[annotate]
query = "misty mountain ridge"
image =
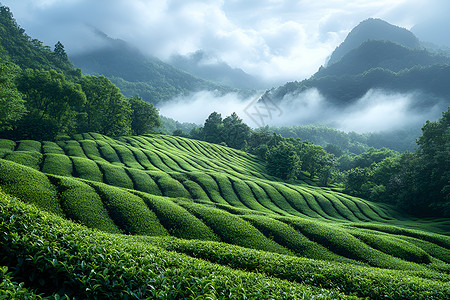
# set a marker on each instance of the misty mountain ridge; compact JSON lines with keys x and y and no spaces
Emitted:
{"x":374,"y":29}
{"x":210,"y":67}
{"x":135,"y":73}
{"x":390,"y":84}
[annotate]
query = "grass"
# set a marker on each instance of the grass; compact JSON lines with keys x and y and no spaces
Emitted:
{"x":159,"y":189}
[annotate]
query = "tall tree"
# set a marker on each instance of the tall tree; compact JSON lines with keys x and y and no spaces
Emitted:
{"x":60,"y":53}
{"x":106,"y":110}
{"x":283,"y":161}
{"x":12,"y":106}
{"x":212,"y":130}
{"x":235,"y":133}
{"x":145,"y":116}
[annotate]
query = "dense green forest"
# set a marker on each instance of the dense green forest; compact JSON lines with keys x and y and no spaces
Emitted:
{"x":43,"y":95}
{"x":137,"y":74}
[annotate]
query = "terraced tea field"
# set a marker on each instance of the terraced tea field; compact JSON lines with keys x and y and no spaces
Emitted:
{"x":158,"y":188}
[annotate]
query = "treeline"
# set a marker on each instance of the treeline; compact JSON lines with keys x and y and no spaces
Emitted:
{"x":416,"y":182}
{"x":41,"y":104}
{"x":42,"y":95}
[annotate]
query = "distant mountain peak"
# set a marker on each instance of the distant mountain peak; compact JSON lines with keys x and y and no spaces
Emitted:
{"x":374,"y":29}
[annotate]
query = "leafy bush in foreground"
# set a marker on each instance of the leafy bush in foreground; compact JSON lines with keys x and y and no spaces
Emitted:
{"x":59,"y":258}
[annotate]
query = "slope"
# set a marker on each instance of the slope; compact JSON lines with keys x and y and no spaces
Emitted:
{"x":161,"y":185}
{"x":374,"y":29}
{"x":134,"y":73}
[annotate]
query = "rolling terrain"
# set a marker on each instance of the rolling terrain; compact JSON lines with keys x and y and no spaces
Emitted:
{"x":156,"y":193}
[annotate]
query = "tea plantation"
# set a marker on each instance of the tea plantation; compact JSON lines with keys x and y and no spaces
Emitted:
{"x":157,"y":216}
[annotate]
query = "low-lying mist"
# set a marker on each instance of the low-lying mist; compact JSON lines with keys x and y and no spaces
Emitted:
{"x":376,"y":111}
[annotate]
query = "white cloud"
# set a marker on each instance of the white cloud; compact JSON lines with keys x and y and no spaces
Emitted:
{"x":376,"y":111}
{"x":278,"y":40}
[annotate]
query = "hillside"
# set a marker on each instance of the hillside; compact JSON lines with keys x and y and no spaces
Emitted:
{"x":213,"y":69}
{"x":391,"y":62}
{"x":137,"y":74}
{"x":374,"y":29}
{"x":169,"y":186}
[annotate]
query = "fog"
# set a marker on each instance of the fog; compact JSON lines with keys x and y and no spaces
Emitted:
{"x":376,"y":111}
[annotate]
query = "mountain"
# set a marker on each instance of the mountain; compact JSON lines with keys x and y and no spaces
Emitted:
{"x":381,"y":54}
{"x":378,"y":64}
{"x":135,"y":73}
{"x":374,"y":29}
{"x":213,"y":69}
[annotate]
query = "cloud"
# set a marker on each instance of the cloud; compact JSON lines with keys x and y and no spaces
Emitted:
{"x":276,"y":40}
{"x":376,"y":111}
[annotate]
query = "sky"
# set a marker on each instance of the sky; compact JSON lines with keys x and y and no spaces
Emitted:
{"x":276,"y":40}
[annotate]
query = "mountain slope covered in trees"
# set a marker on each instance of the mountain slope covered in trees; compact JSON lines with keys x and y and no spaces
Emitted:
{"x":137,"y":74}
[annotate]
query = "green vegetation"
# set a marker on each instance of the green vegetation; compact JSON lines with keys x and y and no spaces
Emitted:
{"x":215,"y":198}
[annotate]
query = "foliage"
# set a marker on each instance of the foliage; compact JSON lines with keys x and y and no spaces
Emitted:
{"x":145,"y":116}
{"x":11,"y":103}
{"x":283,"y":161}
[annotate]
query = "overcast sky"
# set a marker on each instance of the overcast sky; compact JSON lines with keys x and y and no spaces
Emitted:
{"x":275,"y":39}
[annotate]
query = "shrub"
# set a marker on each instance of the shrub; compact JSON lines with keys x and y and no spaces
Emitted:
{"x":115,"y":175}
{"x":128,"y":211}
{"x":86,"y":169}
{"x":29,"y":145}
{"x":51,"y":148}
{"x":81,"y":202}
{"x":29,"y":185}
{"x":233,"y":230}
{"x":30,"y":159}
{"x":57,"y":164}
{"x":143,"y":182}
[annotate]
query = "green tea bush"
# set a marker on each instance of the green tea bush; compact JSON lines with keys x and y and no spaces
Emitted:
{"x":143,"y":182}
{"x":13,"y":290}
{"x":142,"y":159}
{"x":232,"y":229}
{"x":57,"y":164}
{"x":340,"y":207}
{"x":63,"y":259}
{"x":351,"y":279}
{"x":29,"y":185}
{"x":51,"y":148}
{"x":30,"y":159}
{"x":343,"y":243}
{"x":128,"y":211}
{"x":264,"y":199}
{"x":209,"y":186}
{"x":434,"y":250}
{"x":7,"y":144}
{"x":29,"y":145}
{"x":246,"y":196}
{"x":169,"y":186}
{"x":170,"y":163}
{"x":156,"y":161}
{"x":353,"y":207}
{"x":296,"y":200}
{"x":81,"y":203}
{"x":108,"y":152}
{"x":72,"y":148}
{"x":277,"y":198}
{"x":226,"y":190}
{"x":127,"y":157}
{"x":86,"y":169}
{"x":311,"y":200}
{"x":91,"y":149}
{"x":196,"y":191}
{"x":393,"y":246}
{"x":115,"y":175}
{"x":293,"y":240}
{"x":438,"y":239}
{"x":177,"y":220}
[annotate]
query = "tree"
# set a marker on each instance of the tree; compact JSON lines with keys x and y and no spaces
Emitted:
{"x":12,"y":106}
{"x":434,"y":164}
{"x":145,"y":116}
{"x":60,"y":53}
{"x":314,"y":158}
{"x":106,"y":110}
{"x":212,"y":130}
{"x":235,"y":133}
{"x":283,"y":161}
{"x":50,"y":96}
